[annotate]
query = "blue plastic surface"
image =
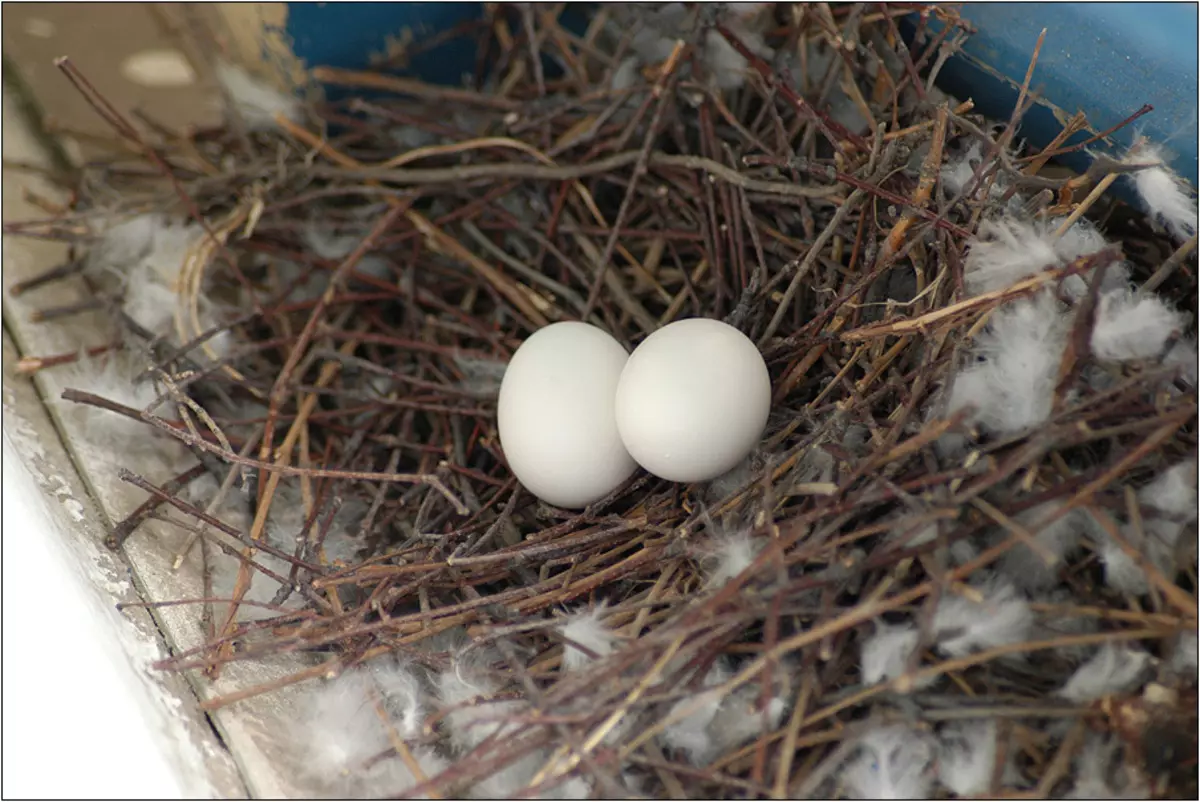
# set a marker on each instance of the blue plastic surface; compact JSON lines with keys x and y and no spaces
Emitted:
{"x":346,"y":34}
{"x":1105,"y":59}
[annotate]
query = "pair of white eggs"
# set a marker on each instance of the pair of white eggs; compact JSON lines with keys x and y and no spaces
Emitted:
{"x":578,"y":413}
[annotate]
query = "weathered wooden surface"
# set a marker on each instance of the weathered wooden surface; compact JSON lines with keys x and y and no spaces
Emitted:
{"x":201,"y":763}
{"x":250,"y":729}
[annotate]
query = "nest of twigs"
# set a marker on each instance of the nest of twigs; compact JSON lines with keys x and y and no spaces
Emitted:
{"x":884,"y":599}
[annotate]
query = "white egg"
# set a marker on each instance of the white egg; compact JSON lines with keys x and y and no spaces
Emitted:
{"x":557,"y":425}
{"x":693,"y":400}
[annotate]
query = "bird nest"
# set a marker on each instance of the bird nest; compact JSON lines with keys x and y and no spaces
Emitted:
{"x":961,"y":561}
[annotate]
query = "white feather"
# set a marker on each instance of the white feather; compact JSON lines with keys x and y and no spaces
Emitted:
{"x":1008,"y":250}
{"x":403,"y":695}
{"x":905,"y":535}
{"x":342,"y":727}
{"x":1167,"y":505}
{"x":1028,"y":569}
{"x":1183,"y":659}
{"x":148,"y":253}
{"x":1113,"y":669}
{"x":962,"y":626}
{"x":124,"y":243}
{"x":740,"y":719}
{"x":885,"y":654}
{"x":481,"y":376}
{"x":748,"y":9}
{"x":150,"y":239}
{"x":726,"y":68}
{"x":336,"y":247}
{"x":474,"y":717}
{"x":471,"y":724}
{"x":1162,"y":191}
{"x":1084,"y":239}
{"x":653,"y":42}
{"x":959,"y":170}
{"x":842,"y":108}
{"x":262,"y":590}
{"x":257,"y":102}
{"x":110,"y":376}
{"x":908,"y":535}
{"x":691,"y":734}
{"x":1081,"y":239}
{"x":1183,"y":357}
{"x":1100,"y":775}
{"x":1173,"y":493}
{"x":391,"y":778}
{"x":1129,"y":326}
{"x":169,"y":250}
{"x":738,"y":476}
{"x":1012,"y":388}
{"x":341,"y":730}
{"x":1004,"y":252}
{"x":1122,"y":572}
{"x":150,"y":302}
{"x":626,"y":75}
{"x":588,"y":630}
{"x":732,"y":554}
{"x":894,"y":763}
{"x":967,"y":757}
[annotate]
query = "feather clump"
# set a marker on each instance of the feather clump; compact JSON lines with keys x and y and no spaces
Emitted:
{"x":1184,"y":656}
{"x":960,"y":626}
{"x":147,"y":254}
{"x":1027,"y":568}
{"x":740,"y":720}
{"x":731,"y":555}
{"x":691,"y":734}
{"x":967,"y":757}
{"x":1130,"y":326}
{"x":473,"y":716}
{"x":1004,"y":252}
{"x":1011,"y":385}
{"x":717,"y":722}
{"x":255,"y":101}
{"x":586,"y":629}
{"x":1100,"y":775}
{"x":112,"y":377}
{"x":726,"y":68}
{"x":886,"y":653}
{"x":1007,"y":250}
{"x":1164,"y":193}
{"x":1113,"y":669}
{"x":1173,"y":494}
{"x":481,"y":376}
{"x":336,"y":247}
{"x":959,"y":170}
{"x":114,"y":436}
{"x":1002,"y":617}
{"x":350,"y":720}
{"x":894,"y":762}
{"x":1167,"y":505}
